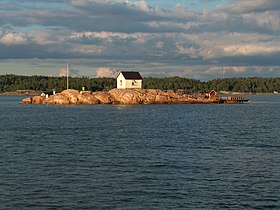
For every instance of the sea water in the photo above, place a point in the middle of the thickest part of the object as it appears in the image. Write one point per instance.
(140, 157)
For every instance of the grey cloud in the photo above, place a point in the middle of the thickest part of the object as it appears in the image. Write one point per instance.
(251, 6)
(96, 16)
(242, 33)
(243, 16)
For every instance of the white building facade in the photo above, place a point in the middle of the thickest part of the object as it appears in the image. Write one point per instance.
(129, 79)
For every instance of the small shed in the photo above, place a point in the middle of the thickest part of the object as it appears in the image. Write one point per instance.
(212, 94)
(129, 79)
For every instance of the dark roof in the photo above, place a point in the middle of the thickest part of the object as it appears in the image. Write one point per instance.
(131, 75)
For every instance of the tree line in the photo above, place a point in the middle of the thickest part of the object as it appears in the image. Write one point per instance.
(12, 82)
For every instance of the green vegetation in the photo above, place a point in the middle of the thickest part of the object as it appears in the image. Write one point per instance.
(10, 83)
(253, 84)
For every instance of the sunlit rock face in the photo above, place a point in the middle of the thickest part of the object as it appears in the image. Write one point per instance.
(116, 96)
(26, 101)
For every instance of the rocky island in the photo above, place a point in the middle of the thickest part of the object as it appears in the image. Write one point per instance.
(119, 96)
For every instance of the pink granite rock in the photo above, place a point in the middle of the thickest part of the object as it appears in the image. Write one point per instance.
(117, 96)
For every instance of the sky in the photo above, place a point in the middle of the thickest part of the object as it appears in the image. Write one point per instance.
(199, 39)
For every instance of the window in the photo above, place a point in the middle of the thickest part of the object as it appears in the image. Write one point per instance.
(133, 83)
(120, 82)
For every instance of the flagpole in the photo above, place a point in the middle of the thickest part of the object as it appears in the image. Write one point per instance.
(67, 75)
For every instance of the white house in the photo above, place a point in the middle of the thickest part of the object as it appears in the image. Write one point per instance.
(129, 79)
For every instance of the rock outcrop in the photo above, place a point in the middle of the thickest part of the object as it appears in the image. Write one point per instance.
(117, 96)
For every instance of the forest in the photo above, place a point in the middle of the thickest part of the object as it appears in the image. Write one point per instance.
(10, 82)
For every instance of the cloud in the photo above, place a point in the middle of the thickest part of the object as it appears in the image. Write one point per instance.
(254, 49)
(105, 72)
(243, 71)
(240, 33)
(143, 5)
(12, 38)
(72, 72)
(249, 6)
(226, 69)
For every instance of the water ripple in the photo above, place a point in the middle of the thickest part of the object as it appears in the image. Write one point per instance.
(140, 157)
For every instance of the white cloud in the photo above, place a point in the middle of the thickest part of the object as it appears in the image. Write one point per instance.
(220, 44)
(143, 5)
(87, 49)
(13, 38)
(109, 36)
(250, 49)
(105, 72)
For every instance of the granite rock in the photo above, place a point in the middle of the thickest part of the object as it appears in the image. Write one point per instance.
(116, 96)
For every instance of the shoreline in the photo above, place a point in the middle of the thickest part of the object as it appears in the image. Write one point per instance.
(22, 93)
(129, 97)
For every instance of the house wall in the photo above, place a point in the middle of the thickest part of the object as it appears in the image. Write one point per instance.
(133, 84)
(122, 83)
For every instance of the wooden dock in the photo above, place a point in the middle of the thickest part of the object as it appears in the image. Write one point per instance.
(234, 100)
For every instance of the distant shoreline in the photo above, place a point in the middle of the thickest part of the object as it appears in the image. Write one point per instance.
(22, 93)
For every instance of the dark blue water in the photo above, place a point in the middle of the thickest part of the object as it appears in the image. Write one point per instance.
(140, 157)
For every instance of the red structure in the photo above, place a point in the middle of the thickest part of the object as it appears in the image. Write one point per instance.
(212, 94)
